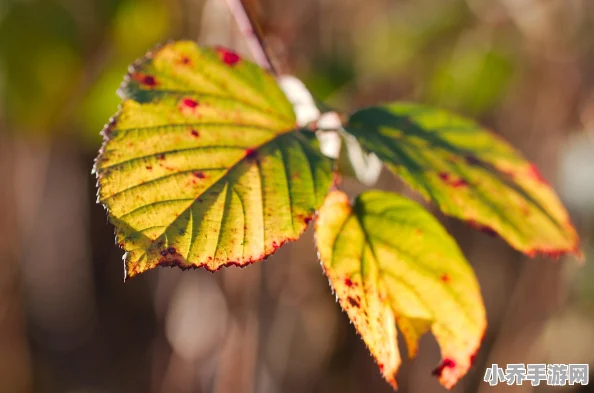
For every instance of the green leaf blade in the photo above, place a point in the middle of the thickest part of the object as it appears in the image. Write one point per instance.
(204, 166)
(469, 173)
(391, 263)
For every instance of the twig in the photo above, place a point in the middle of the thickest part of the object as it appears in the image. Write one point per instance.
(252, 33)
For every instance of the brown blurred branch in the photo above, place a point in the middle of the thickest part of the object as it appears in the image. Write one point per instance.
(252, 33)
(15, 361)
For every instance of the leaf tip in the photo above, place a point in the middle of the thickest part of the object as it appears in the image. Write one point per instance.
(447, 372)
(391, 380)
(388, 373)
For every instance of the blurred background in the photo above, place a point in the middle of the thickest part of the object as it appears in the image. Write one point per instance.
(68, 322)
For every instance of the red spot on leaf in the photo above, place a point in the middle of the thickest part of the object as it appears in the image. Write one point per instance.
(146, 80)
(445, 278)
(150, 168)
(185, 60)
(451, 181)
(381, 367)
(472, 358)
(189, 103)
(199, 175)
(348, 282)
(251, 154)
(446, 363)
(161, 156)
(149, 81)
(228, 57)
(195, 133)
(483, 228)
(353, 302)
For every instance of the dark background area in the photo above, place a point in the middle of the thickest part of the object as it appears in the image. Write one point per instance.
(68, 322)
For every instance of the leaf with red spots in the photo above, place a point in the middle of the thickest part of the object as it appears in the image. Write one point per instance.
(469, 173)
(392, 265)
(204, 165)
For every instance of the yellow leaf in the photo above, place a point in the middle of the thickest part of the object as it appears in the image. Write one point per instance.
(204, 166)
(469, 173)
(392, 264)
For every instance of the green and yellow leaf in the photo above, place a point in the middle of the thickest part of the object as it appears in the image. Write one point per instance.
(469, 173)
(204, 166)
(392, 264)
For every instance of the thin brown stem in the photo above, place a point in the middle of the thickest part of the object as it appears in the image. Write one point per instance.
(253, 34)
